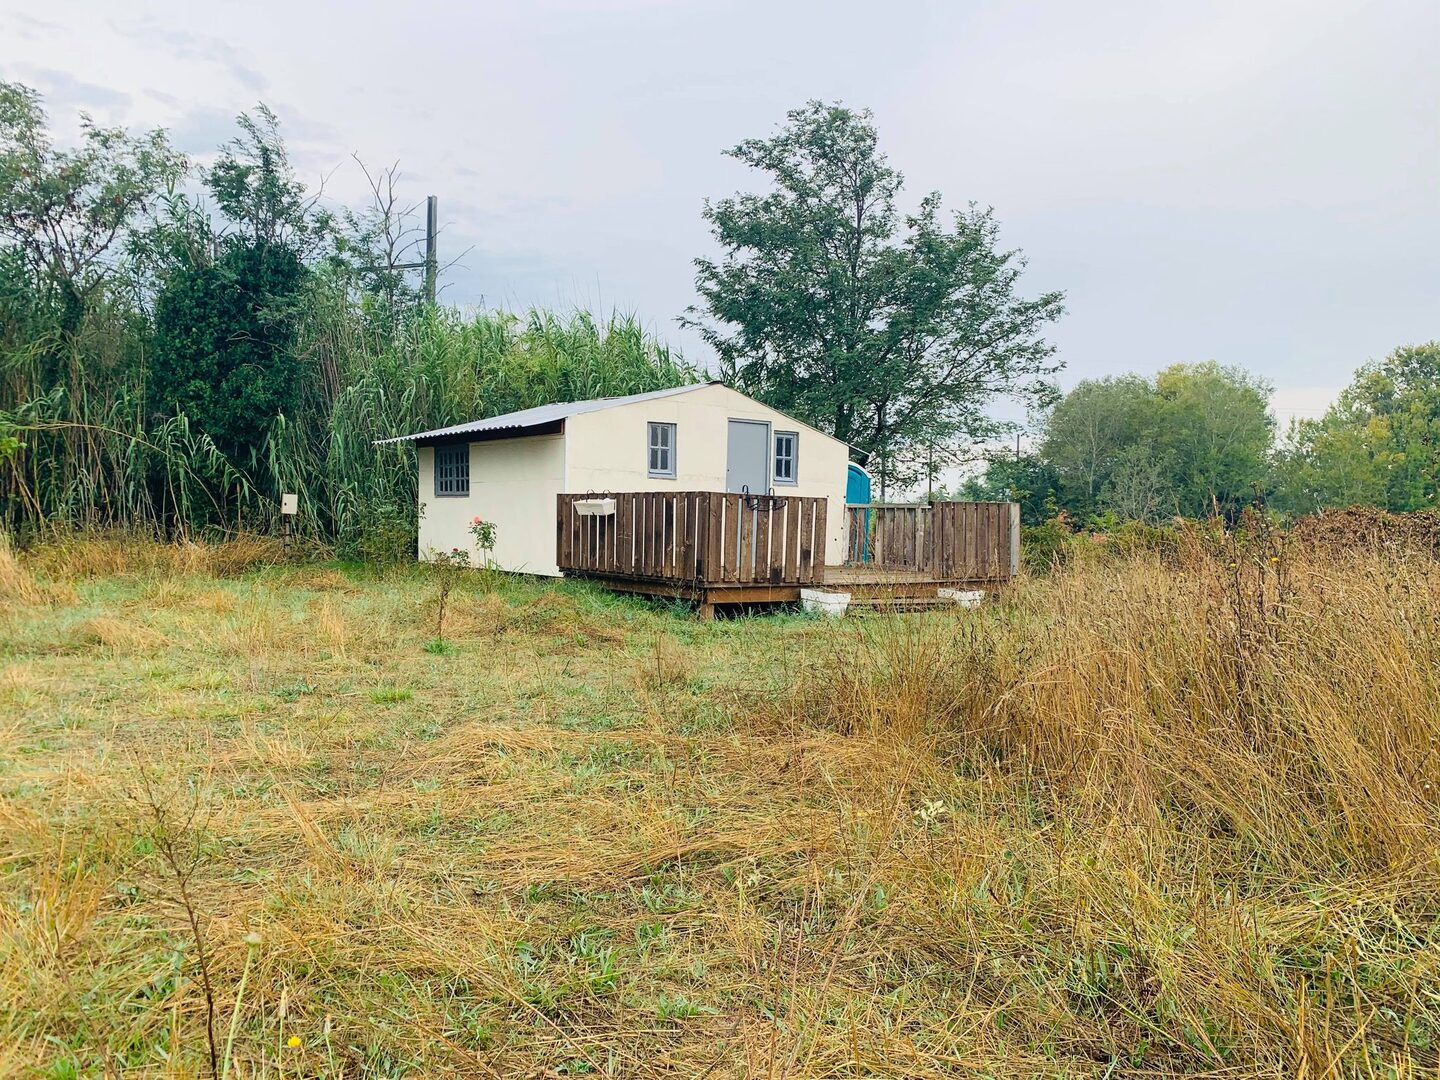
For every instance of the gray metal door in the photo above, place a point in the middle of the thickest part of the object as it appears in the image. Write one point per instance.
(747, 461)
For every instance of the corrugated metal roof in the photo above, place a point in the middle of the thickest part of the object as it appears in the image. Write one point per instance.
(545, 414)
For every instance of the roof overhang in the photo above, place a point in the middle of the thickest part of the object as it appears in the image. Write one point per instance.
(526, 421)
(550, 427)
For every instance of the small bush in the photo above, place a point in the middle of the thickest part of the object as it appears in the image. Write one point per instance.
(1046, 546)
(388, 533)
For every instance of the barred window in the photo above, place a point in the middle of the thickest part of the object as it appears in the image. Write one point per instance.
(452, 469)
(662, 450)
(787, 452)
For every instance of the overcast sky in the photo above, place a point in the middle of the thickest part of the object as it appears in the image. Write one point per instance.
(1252, 182)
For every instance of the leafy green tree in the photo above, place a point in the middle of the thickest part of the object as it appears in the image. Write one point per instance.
(892, 332)
(225, 326)
(1193, 441)
(1086, 432)
(1027, 479)
(1140, 487)
(67, 211)
(222, 352)
(1215, 430)
(257, 192)
(1379, 444)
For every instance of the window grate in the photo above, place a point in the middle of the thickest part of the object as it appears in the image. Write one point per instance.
(452, 470)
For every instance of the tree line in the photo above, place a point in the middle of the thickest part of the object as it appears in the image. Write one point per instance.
(181, 343)
(1199, 440)
(896, 332)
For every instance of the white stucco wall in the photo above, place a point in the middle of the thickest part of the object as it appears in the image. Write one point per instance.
(607, 451)
(513, 482)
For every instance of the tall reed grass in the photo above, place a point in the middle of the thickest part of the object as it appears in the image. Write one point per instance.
(1216, 779)
(92, 455)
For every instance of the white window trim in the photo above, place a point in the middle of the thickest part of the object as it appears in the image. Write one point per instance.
(794, 437)
(673, 471)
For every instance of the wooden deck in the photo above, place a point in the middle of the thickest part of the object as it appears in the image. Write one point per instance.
(717, 548)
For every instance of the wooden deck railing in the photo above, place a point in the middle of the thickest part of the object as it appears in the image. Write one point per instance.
(947, 541)
(705, 538)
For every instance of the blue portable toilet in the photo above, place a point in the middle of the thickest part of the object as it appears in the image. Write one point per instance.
(857, 485)
(857, 490)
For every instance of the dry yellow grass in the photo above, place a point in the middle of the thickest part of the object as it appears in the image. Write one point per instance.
(1134, 820)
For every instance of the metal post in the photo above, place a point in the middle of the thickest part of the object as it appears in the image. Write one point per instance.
(432, 215)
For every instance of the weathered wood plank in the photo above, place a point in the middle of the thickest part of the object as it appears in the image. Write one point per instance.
(572, 534)
(668, 522)
(994, 525)
(747, 543)
(714, 538)
(792, 540)
(625, 533)
(982, 540)
(761, 571)
(784, 542)
(676, 548)
(647, 534)
(730, 559)
(972, 540)
(562, 553)
(947, 558)
(642, 533)
(817, 551)
(962, 542)
(934, 537)
(577, 549)
(968, 523)
(806, 548)
(1002, 540)
(686, 567)
(677, 552)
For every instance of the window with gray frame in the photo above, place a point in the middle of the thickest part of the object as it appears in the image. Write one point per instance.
(662, 450)
(787, 457)
(452, 469)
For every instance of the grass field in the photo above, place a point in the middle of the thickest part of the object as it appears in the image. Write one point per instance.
(1136, 819)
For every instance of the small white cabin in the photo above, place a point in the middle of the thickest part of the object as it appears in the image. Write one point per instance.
(704, 437)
